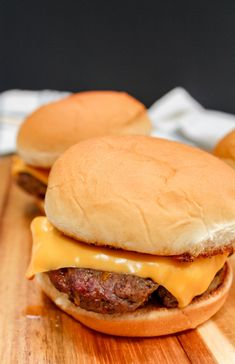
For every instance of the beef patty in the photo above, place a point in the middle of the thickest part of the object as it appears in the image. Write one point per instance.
(31, 184)
(103, 292)
(106, 292)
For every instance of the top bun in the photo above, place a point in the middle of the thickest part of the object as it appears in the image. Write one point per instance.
(52, 128)
(225, 149)
(143, 194)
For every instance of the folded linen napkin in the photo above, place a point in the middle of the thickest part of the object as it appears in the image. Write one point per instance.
(178, 116)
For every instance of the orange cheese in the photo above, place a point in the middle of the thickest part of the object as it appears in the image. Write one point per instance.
(53, 250)
(19, 166)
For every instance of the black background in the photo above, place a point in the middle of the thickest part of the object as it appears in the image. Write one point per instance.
(143, 47)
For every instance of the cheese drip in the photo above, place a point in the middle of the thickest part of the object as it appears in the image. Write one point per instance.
(53, 250)
(19, 166)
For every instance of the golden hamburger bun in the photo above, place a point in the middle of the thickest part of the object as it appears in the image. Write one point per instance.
(225, 149)
(52, 128)
(143, 194)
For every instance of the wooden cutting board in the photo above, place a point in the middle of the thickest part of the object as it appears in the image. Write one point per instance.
(33, 330)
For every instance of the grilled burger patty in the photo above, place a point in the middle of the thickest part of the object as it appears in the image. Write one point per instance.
(31, 185)
(103, 292)
(106, 292)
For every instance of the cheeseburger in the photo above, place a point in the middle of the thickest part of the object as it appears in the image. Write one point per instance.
(51, 129)
(136, 235)
(225, 149)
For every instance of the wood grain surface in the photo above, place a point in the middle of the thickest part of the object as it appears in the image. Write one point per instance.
(33, 330)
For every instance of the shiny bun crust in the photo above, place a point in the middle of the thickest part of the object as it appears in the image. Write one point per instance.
(53, 128)
(145, 321)
(143, 194)
(225, 149)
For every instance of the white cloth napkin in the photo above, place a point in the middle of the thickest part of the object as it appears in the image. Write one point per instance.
(178, 116)
(175, 116)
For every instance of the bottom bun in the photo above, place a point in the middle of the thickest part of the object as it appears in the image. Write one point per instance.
(147, 321)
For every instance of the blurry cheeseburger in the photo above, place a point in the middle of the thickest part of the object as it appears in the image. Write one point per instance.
(51, 129)
(137, 235)
(225, 149)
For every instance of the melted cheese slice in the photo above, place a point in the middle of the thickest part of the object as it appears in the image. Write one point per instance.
(52, 250)
(19, 166)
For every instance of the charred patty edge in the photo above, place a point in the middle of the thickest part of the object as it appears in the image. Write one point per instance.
(31, 184)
